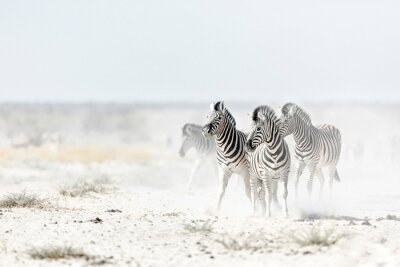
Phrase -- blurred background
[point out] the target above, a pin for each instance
(197, 51)
(102, 88)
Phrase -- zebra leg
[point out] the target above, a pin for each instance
(312, 169)
(267, 189)
(254, 191)
(261, 196)
(333, 175)
(194, 170)
(246, 180)
(285, 178)
(275, 192)
(223, 182)
(321, 181)
(300, 170)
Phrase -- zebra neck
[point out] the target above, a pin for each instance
(274, 141)
(227, 132)
(302, 133)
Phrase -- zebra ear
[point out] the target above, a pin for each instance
(292, 110)
(262, 117)
(222, 106)
(212, 105)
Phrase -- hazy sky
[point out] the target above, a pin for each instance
(168, 50)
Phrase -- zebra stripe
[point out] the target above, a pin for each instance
(230, 143)
(269, 155)
(316, 146)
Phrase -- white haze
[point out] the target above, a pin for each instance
(368, 166)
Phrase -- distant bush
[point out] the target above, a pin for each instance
(315, 236)
(22, 200)
(242, 242)
(81, 189)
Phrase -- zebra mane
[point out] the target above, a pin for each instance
(302, 114)
(268, 112)
(228, 115)
(285, 109)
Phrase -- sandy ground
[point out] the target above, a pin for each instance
(149, 226)
(146, 217)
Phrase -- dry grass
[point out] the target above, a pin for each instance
(307, 216)
(22, 200)
(83, 154)
(315, 236)
(58, 252)
(81, 189)
(67, 253)
(252, 242)
(204, 227)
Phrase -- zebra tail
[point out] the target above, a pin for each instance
(337, 178)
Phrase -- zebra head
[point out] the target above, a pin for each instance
(188, 132)
(217, 116)
(292, 117)
(287, 122)
(266, 127)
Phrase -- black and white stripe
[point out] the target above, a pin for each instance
(269, 156)
(204, 147)
(230, 144)
(316, 146)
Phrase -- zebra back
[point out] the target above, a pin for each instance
(321, 143)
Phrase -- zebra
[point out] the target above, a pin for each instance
(193, 138)
(269, 156)
(230, 143)
(316, 146)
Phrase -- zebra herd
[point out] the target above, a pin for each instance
(262, 157)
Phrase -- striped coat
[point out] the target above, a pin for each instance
(316, 146)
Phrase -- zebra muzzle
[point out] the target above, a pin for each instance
(248, 147)
(207, 130)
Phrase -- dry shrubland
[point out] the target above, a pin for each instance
(22, 200)
(315, 236)
(57, 252)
